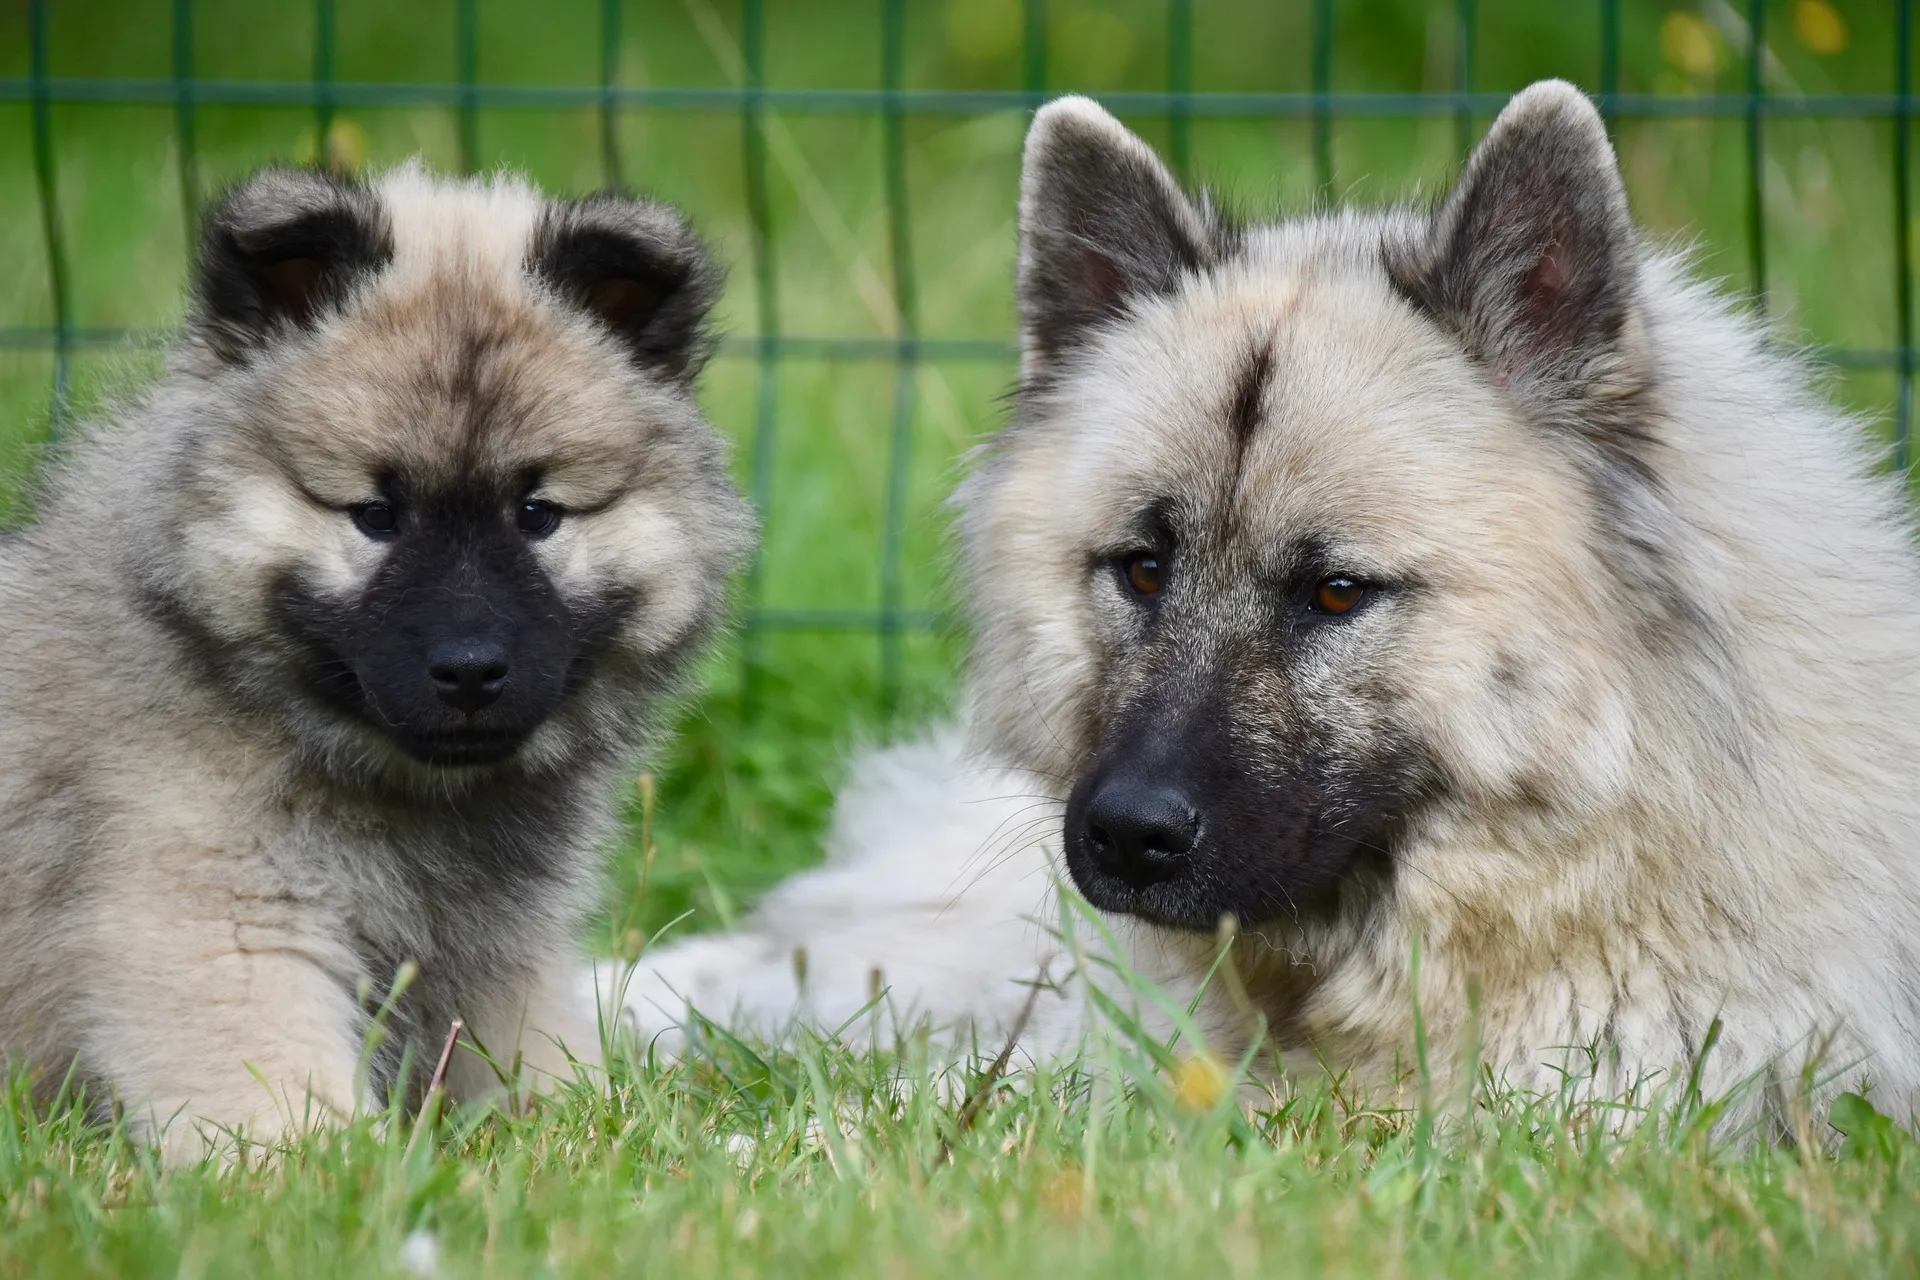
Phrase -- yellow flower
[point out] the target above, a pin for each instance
(1199, 1083)
(1690, 43)
(345, 150)
(1819, 26)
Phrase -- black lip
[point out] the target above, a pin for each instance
(470, 747)
(1145, 908)
(1157, 903)
(1183, 900)
(1107, 894)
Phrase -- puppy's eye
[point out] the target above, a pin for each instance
(536, 519)
(1142, 572)
(1338, 594)
(377, 519)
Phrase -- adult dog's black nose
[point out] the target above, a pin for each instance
(467, 674)
(1139, 832)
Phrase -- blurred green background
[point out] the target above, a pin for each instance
(849, 226)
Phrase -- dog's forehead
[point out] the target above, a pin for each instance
(1289, 383)
(478, 230)
(461, 375)
(1370, 408)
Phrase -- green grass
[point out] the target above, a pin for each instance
(1049, 1179)
(826, 1162)
(1147, 1157)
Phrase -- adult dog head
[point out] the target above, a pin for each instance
(1299, 527)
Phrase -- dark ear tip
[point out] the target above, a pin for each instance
(239, 218)
(276, 191)
(663, 226)
(1073, 111)
(1530, 257)
(1552, 106)
(277, 247)
(1548, 131)
(639, 266)
(1075, 126)
(703, 275)
(1102, 220)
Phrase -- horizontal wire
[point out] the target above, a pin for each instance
(797, 347)
(122, 90)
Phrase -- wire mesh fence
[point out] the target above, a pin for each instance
(751, 99)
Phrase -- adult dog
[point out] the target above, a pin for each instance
(1468, 603)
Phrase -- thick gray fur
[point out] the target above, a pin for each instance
(1619, 743)
(210, 878)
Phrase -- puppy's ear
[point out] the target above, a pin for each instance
(280, 250)
(638, 268)
(1532, 258)
(1102, 221)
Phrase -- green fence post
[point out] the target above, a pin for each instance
(467, 45)
(1902, 227)
(767, 346)
(1323, 98)
(41, 92)
(322, 79)
(906, 360)
(1179, 81)
(1609, 62)
(1463, 79)
(1033, 50)
(183, 121)
(1756, 157)
(609, 91)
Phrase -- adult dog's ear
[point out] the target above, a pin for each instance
(1532, 258)
(1102, 221)
(639, 269)
(280, 250)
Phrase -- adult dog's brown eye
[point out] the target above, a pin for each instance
(1142, 569)
(1338, 594)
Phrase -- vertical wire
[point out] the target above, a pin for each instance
(1756, 158)
(322, 78)
(1463, 78)
(183, 120)
(609, 84)
(1179, 82)
(1902, 228)
(766, 300)
(1609, 62)
(905, 369)
(1323, 98)
(45, 174)
(467, 43)
(1033, 46)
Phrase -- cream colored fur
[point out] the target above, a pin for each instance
(1641, 841)
(209, 882)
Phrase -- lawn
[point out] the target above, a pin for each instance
(1050, 1176)
(828, 1164)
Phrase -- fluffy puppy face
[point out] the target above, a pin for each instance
(1304, 528)
(448, 503)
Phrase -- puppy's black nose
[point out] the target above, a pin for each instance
(1138, 831)
(467, 674)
